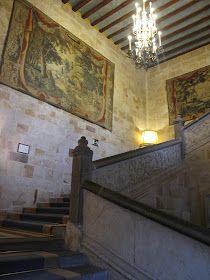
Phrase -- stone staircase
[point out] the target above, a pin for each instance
(45, 257)
(48, 265)
(48, 218)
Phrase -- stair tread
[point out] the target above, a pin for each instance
(49, 274)
(31, 222)
(53, 204)
(12, 262)
(39, 214)
(55, 208)
(87, 269)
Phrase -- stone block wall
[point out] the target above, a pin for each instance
(51, 132)
(157, 106)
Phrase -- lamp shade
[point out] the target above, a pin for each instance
(149, 137)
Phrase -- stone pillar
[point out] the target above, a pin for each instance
(81, 170)
(179, 131)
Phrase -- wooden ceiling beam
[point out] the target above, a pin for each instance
(117, 21)
(191, 15)
(80, 4)
(190, 35)
(184, 52)
(188, 44)
(165, 6)
(188, 50)
(175, 12)
(167, 26)
(65, 1)
(96, 8)
(168, 4)
(120, 30)
(187, 27)
(110, 13)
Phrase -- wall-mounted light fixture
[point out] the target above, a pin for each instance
(149, 137)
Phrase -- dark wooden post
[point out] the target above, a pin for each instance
(81, 170)
(179, 131)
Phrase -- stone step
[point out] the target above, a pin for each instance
(50, 274)
(25, 261)
(59, 199)
(91, 272)
(48, 265)
(50, 218)
(57, 274)
(49, 210)
(53, 204)
(44, 227)
(30, 244)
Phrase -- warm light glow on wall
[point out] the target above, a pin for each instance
(149, 137)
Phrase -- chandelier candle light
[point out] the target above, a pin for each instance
(145, 37)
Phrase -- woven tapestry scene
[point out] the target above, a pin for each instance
(44, 60)
(189, 95)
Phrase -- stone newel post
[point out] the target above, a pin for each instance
(81, 170)
(179, 131)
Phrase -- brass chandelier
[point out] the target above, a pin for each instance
(145, 44)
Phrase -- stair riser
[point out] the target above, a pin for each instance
(12, 263)
(102, 275)
(56, 230)
(21, 265)
(53, 204)
(59, 200)
(52, 274)
(39, 217)
(64, 211)
(37, 245)
(25, 226)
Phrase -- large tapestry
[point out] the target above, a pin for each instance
(189, 94)
(44, 60)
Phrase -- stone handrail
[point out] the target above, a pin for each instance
(133, 154)
(154, 182)
(134, 241)
(197, 120)
(125, 171)
(179, 225)
(197, 133)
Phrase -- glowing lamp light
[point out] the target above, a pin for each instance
(149, 137)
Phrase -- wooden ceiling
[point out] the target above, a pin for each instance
(185, 24)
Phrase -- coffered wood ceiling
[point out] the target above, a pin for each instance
(185, 24)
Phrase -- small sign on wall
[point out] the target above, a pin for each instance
(23, 148)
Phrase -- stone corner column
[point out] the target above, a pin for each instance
(179, 132)
(82, 168)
